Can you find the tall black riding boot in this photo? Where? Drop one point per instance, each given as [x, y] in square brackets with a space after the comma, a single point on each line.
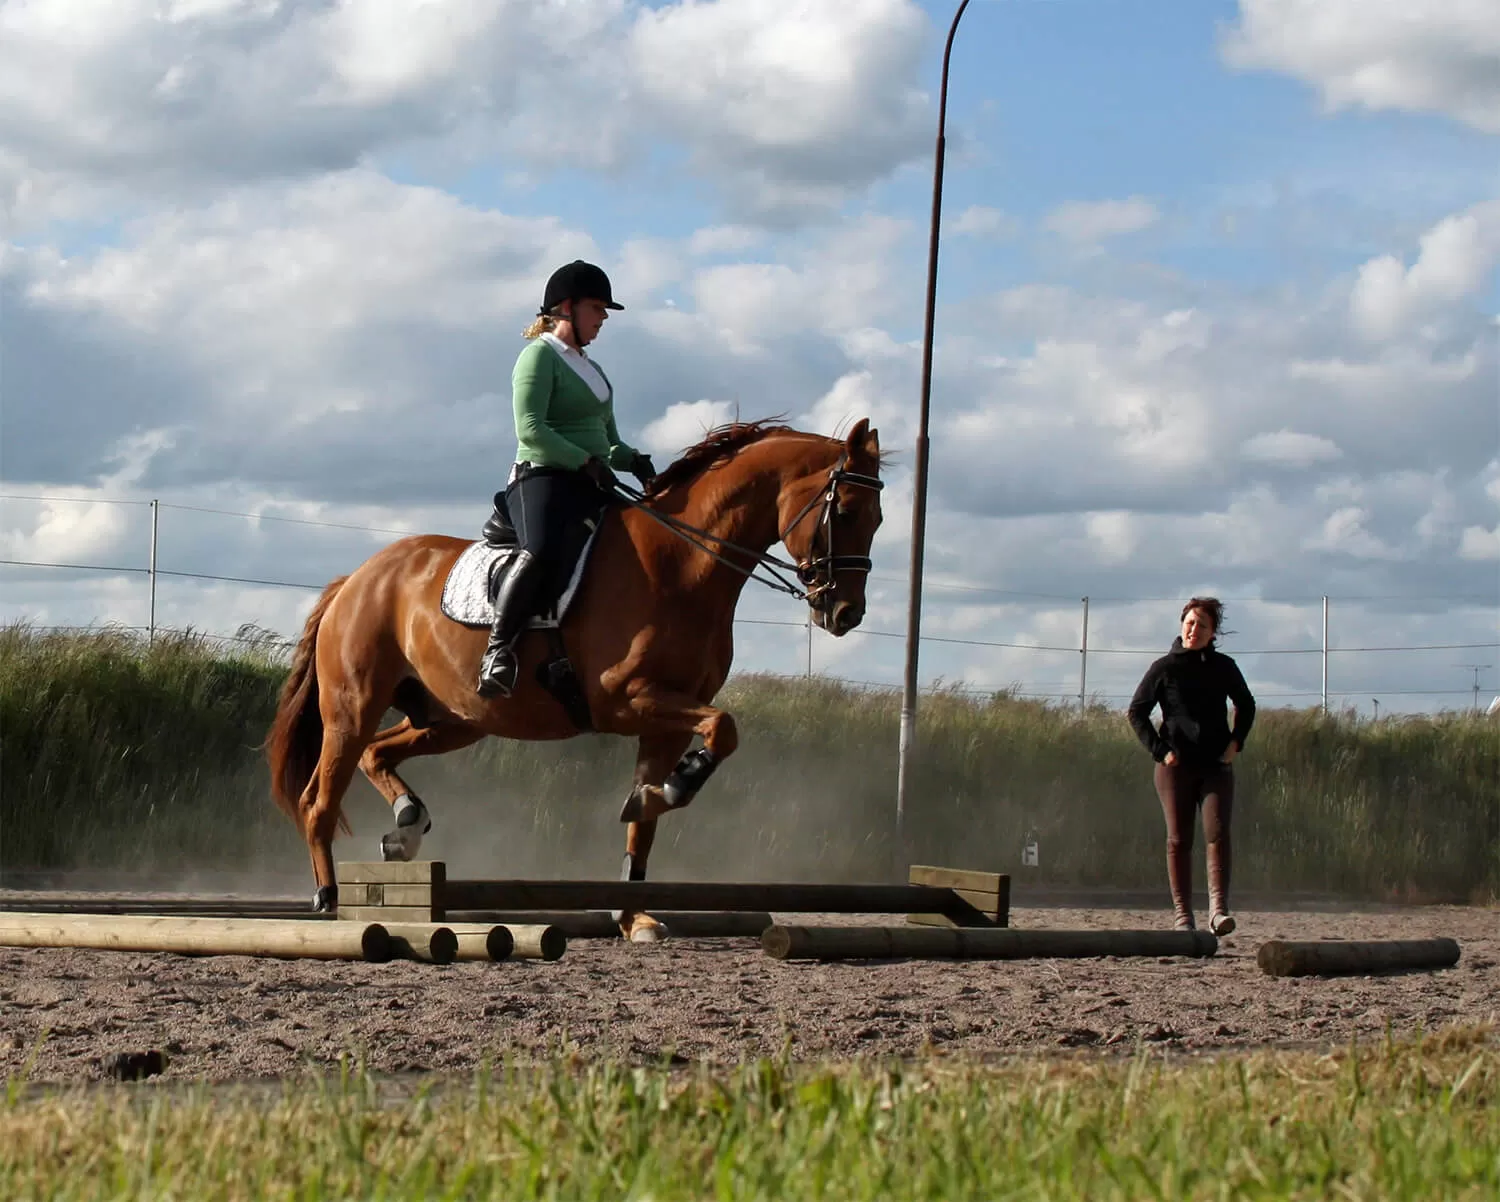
[514, 599]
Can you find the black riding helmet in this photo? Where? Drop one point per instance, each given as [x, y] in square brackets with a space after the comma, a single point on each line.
[577, 281]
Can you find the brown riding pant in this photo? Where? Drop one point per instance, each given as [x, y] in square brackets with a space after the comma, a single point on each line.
[1182, 790]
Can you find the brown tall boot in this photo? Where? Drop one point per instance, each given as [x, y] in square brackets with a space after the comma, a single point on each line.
[1180, 878]
[1219, 921]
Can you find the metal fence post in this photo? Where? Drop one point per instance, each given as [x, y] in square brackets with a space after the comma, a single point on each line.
[151, 615]
[1325, 654]
[1083, 661]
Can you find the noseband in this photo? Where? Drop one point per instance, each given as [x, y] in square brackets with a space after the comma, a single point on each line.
[817, 572]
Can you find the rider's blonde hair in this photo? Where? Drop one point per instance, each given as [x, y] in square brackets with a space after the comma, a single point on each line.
[543, 323]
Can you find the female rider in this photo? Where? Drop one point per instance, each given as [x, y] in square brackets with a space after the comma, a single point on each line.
[1193, 751]
[567, 444]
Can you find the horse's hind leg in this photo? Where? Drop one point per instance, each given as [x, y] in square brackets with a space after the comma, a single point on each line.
[394, 746]
[351, 714]
[321, 804]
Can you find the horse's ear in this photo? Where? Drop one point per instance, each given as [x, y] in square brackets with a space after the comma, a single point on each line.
[863, 439]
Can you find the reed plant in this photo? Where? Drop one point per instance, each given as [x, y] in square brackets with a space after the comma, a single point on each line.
[116, 754]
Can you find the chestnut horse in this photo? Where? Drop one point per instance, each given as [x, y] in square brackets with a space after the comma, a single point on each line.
[649, 632]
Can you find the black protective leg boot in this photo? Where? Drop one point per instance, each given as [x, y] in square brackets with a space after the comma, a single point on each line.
[513, 607]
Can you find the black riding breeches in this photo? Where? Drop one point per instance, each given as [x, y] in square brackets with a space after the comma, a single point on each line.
[554, 511]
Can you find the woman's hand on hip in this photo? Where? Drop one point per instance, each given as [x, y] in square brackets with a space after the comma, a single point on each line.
[1170, 759]
[1230, 752]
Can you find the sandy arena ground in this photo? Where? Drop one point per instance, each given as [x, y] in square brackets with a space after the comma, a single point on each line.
[722, 1000]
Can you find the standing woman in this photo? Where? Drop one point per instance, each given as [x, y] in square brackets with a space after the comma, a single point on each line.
[567, 446]
[1193, 751]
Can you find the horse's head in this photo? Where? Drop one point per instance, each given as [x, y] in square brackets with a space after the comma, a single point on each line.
[828, 518]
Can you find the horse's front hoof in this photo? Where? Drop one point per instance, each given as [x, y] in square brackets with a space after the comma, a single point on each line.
[326, 899]
[646, 929]
[399, 846]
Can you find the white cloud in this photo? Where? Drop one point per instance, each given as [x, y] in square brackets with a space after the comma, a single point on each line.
[855, 395]
[348, 319]
[683, 424]
[796, 100]
[1115, 535]
[1380, 54]
[982, 221]
[69, 529]
[723, 240]
[1479, 543]
[1456, 259]
[788, 109]
[846, 276]
[1093, 221]
[1288, 448]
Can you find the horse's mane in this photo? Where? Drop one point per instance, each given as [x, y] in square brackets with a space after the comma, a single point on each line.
[719, 444]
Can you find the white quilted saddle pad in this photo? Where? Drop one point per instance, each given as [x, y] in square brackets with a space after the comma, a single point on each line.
[466, 591]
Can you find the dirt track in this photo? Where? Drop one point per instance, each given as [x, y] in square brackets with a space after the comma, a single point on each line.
[721, 1000]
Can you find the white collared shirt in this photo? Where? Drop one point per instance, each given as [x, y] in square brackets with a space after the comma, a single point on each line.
[581, 365]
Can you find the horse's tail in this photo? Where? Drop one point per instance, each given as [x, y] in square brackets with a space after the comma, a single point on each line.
[296, 739]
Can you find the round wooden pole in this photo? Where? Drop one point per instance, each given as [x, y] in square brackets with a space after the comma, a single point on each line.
[424, 941]
[971, 943]
[596, 924]
[483, 940]
[157, 905]
[286, 938]
[1280, 958]
[535, 942]
[655, 896]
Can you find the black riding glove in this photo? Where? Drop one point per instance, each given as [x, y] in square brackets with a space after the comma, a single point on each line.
[643, 470]
[598, 471]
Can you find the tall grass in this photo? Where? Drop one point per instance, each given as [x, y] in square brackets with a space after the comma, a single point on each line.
[1403, 1121]
[115, 754]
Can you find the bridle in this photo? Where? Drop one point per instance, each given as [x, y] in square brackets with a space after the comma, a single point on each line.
[816, 573]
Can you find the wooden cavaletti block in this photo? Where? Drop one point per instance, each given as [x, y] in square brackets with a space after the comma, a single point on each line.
[377, 891]
[985, 894]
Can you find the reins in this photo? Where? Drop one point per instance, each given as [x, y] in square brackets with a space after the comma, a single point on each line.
[816, 573]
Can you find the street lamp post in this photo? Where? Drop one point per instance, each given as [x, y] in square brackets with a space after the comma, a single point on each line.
[919, 474]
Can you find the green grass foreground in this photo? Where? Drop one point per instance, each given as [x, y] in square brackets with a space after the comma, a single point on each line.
[1416, 1120]
[115, 754]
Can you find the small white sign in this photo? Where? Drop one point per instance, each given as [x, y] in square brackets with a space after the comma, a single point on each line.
[1030, 857]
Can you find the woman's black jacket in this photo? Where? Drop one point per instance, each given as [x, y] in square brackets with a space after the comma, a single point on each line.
[1191, 687]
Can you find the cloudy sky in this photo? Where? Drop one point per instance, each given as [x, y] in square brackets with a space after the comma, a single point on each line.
[1217, 304]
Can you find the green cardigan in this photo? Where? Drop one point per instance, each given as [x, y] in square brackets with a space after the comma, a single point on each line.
[559, 420]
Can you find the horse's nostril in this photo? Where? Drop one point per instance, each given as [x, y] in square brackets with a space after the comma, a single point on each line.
[846, 617]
